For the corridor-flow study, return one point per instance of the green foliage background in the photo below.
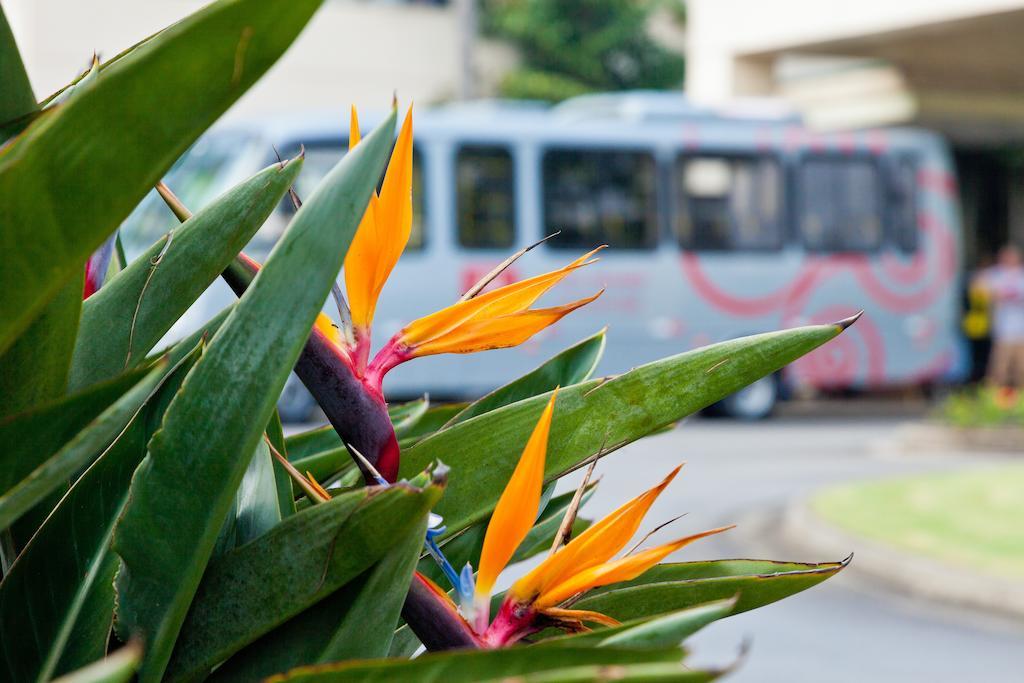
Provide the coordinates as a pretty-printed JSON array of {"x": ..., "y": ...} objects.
[{"x": 573, "y": 48}]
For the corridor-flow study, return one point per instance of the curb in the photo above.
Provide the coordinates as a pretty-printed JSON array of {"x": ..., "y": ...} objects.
[{"x": 901, "y": 571}]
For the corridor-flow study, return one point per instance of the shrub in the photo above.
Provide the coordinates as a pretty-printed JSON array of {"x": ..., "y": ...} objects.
[{"x": 985, "y": 407}]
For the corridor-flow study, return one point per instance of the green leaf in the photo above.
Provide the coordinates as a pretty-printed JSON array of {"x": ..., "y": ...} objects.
[
  {"x": 257, "y": 509},
  {"x": 117, "y": 668},
  {"x": 318, "y": 440},
  {"x": 57, "y": 601},
  {"x": 27, "y": 490},
  {"x": 282, "y": 481},
  {"x": 17, "y": 99},
  {"x": 30, "y": 438},
  {"x": 670, "y": 629},
  {"x": 260, "y": 501},
  {"x": 238, "y": 379},
  {"x": 204, "y": 333},
  {"x": 674, "y": 586},
  {"x": 574, "y": 365},
  {"x": 325, "y": 464},
  {"x": 607, "y": 413},
  {"x": 90, "y": 634},
  {"x": 356, "y": 622},
  {"x": 79, "y": 169},
  {"x": 434, "y": 419},
  {"x": 34, "y": 369},
  {"x": 255, "y": 588},
  {"x": 405, "y": 643},
  {"x": 36, "y": 435},
  {"x": 123, "y": 320},
  {"x": 675, "y": 672},
  {"x": 475, "y": 665},
  {"x": 404, "y": 416}
]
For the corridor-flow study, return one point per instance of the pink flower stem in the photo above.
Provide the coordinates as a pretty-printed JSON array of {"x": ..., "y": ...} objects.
[{"x": 514, "y": 621}]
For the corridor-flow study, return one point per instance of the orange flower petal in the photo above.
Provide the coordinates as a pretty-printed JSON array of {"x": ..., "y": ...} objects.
[
  {"x": 328, "y": 329},
  {"x": 353, "y": 129},
  {"x": 383, "y": 231},
  {"x": 498, "y": 333},
  {"x": 438, "y": 591},
  {"x": 581, "y": 615},
  {"x": 516, "y": 510},
  {"x": 512, "y": 298},
  {"x": 596, "y": 545},
  {"x": 623, "y": 569}
]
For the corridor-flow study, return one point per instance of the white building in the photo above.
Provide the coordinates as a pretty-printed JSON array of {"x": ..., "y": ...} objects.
[{"x": 353, "y": 51}]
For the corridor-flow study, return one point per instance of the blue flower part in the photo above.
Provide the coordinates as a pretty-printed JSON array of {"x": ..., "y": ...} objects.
[
  {"x": 467, "y": 585},
  {"x": 435, "y": 551}
]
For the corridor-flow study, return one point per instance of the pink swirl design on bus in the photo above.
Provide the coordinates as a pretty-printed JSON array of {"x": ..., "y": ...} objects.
[
  {"x": 746, "y": 306},
  {"x": 937, "y": 180},
  {"x": 942, "y": 255},
  {"x": 944, "y": 260}
]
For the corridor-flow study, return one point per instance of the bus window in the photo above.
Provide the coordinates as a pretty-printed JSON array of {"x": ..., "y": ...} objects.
[
  {"x": 903, "y": 205},
  {"x": 485, "y": 197},
  {"x": 840, "y": 207},
  {"x": 600, "y": 197},
  {"x": 728, "y": 203},
  {"x": 321, "y": 158}
]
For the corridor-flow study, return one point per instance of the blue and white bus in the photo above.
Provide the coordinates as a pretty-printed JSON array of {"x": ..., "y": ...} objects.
[{"x": 718, "y": 225}]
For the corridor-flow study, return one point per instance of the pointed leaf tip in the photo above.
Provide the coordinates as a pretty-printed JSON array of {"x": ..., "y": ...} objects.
[
  {"x": 439, "y": 475},
  {"x": 846, "y": 322}
]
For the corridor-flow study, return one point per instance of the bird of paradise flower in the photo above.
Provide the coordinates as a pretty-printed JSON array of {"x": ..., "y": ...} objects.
[{"x": 541, "y": 598}]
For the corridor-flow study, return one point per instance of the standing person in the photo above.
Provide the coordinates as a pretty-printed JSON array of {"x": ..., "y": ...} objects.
[
  {"x": 977, "y": 322},
  {"x": 1005, "y": 284}
]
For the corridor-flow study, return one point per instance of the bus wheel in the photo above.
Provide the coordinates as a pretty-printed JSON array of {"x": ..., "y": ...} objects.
[{"x": 753, "y": 402}]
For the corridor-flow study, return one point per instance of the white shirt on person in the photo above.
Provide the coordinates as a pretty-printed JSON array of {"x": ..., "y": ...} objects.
[{"x": 1006, "y": 287}]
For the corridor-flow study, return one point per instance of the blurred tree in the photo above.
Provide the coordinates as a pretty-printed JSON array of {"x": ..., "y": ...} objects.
[{"x": 571, "y": 48}]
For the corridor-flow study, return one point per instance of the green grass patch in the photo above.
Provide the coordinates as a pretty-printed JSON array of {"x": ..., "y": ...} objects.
[
  {"x": 984, "y": 407},
  {"x": 973, "y": 519}
]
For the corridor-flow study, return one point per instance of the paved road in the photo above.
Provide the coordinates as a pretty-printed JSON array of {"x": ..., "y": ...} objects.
[{"x": 841, "y": 630}]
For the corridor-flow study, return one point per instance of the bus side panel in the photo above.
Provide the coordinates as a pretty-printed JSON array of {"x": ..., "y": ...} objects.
[{"x": 908, "y": 333}]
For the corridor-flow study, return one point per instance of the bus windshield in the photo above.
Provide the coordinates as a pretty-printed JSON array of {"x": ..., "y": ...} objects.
[{"x": 201, "y": 174}]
